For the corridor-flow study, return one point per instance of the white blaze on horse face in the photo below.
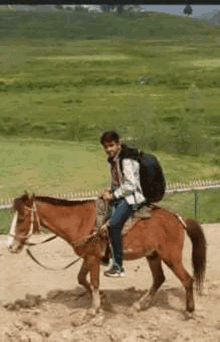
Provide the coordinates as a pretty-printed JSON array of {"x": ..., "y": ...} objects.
[{"x": 11, "y": 238}]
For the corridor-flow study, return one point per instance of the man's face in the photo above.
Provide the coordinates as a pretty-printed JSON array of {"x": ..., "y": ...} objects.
[{"x": 112, "y": 147}]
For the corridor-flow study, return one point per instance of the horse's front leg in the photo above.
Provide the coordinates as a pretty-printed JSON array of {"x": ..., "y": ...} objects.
[
  {"x": 84, "y": 270},
  {"x": 91, "y": 265},
  {"x": 94, "y": 277}
]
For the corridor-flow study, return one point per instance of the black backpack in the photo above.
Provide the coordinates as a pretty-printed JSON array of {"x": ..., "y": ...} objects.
[{"x": 151, "y": 175}]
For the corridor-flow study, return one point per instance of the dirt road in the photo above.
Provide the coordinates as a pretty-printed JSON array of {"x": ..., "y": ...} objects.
[{"x": 49, "y": 306}]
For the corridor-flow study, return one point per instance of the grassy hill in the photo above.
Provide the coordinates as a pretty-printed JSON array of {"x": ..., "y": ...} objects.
[
  {"x": 83, "y": 25},
  {"x": 71, "y": 75},
  {"x": 67, "y": 77}
]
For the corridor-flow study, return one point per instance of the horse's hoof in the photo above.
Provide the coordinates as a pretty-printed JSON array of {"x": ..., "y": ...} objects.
[
  {"x": 130, "y": 312},
  {"x": 92, "y": 312},
  {"x": 100, "y": 311},
  {"x": 137, "y": 307},
  {"x": 188, "y": 315},
  {"x": 99, "y": 319}
]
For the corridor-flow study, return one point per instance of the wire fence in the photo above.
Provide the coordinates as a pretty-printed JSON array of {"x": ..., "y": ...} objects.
[
  {"x": 201, "y": 204},
  {"x": 174, "y": 196},
  {"x": 193, "y": 200}
]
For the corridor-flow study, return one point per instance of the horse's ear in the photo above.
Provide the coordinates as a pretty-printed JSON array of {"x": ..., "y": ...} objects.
[{"x": 27, "y": 194}]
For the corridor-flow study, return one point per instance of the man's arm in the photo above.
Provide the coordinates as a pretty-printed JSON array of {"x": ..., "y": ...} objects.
[{"x": 131, "y": 174}]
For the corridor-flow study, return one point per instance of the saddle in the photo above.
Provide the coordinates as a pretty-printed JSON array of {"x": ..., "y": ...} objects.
[{"x": 101, "y": 216}]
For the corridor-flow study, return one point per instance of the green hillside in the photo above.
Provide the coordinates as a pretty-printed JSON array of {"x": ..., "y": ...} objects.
[
  {"x": 151, "y": 76},
  {"x": 67, "y": 77},
  {"x": 84, "y": 25}
]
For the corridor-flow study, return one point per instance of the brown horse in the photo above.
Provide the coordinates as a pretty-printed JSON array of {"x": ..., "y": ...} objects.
[{"x": 74, "y": 221}]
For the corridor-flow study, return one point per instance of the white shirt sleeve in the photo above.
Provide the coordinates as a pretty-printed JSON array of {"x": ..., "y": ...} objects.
[{"x": 131, "y": 179}]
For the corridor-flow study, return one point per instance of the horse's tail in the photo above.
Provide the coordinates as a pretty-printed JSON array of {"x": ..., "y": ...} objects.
[{"x": 196, "y": 235}]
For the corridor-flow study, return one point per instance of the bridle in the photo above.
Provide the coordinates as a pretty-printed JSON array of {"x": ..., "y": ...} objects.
[{"x": 33, "y": 211}]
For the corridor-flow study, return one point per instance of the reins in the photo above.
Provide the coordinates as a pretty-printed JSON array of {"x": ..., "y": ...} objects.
[
  {"x": 89, "y": 237},
  {"x": 50, "y": 268},
  {"x": 50, "y": 239}
]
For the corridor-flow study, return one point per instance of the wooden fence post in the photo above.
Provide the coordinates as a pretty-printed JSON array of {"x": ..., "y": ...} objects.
[{"x": 196, "y": 204}]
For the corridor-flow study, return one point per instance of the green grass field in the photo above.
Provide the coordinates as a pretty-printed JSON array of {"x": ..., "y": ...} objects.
[
  {"x": 65, "y": 78},
  {"x": 78, "y": 89},
  {"x": 57, "y": 167}
]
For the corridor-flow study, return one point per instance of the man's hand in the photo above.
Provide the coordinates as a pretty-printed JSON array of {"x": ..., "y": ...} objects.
[{"x": 106, "y": 195}]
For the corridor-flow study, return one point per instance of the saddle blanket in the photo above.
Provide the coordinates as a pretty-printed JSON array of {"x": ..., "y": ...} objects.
[
  {"x": 142, "y": 213},
  {"x": 101, "y": 209}
]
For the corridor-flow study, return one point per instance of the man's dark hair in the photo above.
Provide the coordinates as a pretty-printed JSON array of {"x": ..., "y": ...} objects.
[{"x": 109, "y": 136}]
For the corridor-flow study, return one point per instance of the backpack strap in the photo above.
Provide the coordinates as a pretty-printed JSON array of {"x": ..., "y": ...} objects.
[{"x": 130, "y": 153}]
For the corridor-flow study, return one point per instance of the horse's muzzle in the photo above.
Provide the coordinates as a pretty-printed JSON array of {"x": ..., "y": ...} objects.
[{"x": 15, "y": 247}]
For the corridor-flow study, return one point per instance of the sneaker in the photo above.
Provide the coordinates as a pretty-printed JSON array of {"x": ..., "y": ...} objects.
[
  {"x": 115, "y": 271},
  {"x": 122, "y": 272}
]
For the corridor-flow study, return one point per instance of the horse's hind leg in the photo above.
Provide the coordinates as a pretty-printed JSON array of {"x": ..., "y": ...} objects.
[
  {"x": 186, "y": 280},
  {"x": 158, "y": 279}
]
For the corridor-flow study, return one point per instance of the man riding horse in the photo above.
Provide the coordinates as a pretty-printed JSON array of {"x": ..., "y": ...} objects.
[
  {"x": 159, "y": 238},
  {"x": 126, "y": 194}
]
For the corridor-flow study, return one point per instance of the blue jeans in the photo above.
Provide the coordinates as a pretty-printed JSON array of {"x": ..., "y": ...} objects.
[{"x": 120, "y": 211}]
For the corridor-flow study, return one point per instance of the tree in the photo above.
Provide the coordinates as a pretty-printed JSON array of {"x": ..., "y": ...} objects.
[
  {"x": 187, "y": 10},
  {"x": 107, "y": 7},
  {"x": 59, "y": 7},
  {"x": 120, "y": 8}
]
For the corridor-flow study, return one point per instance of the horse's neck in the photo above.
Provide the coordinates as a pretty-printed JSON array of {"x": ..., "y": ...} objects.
[{"x": 72, "y": 223}]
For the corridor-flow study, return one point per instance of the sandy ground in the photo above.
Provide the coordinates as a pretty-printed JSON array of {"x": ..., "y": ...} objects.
[{"x": 37, "y": 305}]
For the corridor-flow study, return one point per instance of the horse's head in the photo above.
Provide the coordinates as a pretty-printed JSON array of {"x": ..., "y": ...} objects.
[{"x": 22, "y": 225}]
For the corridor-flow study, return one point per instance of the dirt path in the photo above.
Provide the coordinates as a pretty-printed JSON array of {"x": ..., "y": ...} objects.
[{"x": 49, "y": 306}]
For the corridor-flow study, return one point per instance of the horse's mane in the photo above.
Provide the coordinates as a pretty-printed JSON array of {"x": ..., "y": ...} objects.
[
  {"x": 60, "y": 202},
  {"x": 24, "y": 199}
]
